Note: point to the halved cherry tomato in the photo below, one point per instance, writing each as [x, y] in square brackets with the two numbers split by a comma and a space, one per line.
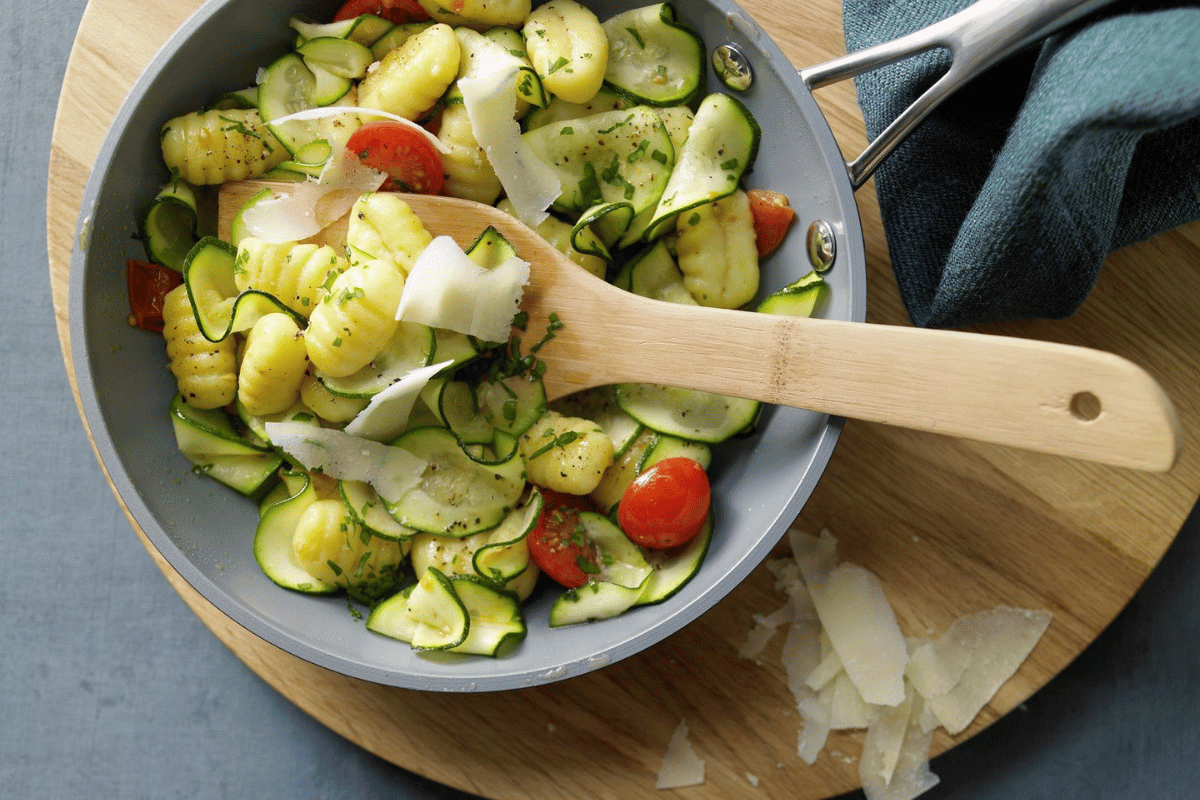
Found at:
[666, 505]
[148, 284]
[397, 12]
[410, 161]
[558, 545]
[772, 215]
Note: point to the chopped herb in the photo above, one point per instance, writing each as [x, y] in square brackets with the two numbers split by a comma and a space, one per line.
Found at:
[637, 37]
[730, 164]
[587, 567]
[694, 219]
[659, 156]
[237, 126]
[558, 64]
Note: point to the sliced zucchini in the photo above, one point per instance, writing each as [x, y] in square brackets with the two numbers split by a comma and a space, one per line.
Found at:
[208, 274]
[243, 99]
[460, 492]
[625, 468]
[593, 601]
[208, 439]
[273, 541]
[652, 58]
[666, 446]
[559, 110]
[687, 413]
[529, 83]
[256, 425]
[800, 298]
[721, 146]
[169, 226]
[475, 411]
[613, 156]
[504, 557]
[335, 64]
[654, 273]
[674, 568]
[289, 85]
[366, 508]
[497, 623]
[427, 615]
[365, 29]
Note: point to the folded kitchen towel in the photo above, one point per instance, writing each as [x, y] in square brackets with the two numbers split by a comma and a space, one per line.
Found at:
[1005, 202]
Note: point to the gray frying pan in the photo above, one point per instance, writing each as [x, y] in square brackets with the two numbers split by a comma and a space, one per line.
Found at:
[760, 483]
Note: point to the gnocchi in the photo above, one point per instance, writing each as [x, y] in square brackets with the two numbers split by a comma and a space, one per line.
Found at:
[335, 549]
[566, 454]
[382, 226]
[209, 147]
[205, 372]
[409, 80]
[273, 365]
[717, 253]
[298, 275]
[568, 48]
[355, 319]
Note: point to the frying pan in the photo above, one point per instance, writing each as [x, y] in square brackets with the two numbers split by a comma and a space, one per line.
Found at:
[760, 484]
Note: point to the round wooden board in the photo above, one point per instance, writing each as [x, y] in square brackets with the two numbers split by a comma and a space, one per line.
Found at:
[951, 527]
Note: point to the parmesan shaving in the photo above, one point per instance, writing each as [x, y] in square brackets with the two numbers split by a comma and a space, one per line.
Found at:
[322, 112]
[386, 416]
[839, 615]
[491, 102]
[391, 470]
[446, 289]
[892, 770]
[681, 766]
[997, 642]
[305, 209]
[860, 623]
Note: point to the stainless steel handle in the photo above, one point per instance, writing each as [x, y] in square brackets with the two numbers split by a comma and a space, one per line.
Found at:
[977, 37]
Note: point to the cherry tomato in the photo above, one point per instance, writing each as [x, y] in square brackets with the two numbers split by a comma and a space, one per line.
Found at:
[410, 161]
[148, 284]
[772, 215]
[397, 12]
[558, 545]
[666, 505]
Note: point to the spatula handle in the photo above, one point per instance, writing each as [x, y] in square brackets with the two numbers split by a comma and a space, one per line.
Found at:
[1041, 396]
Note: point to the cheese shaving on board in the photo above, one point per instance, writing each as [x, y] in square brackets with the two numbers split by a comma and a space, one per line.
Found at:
[681, 766]
[942, 683]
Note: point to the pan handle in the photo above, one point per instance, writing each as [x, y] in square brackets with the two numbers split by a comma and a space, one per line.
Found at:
[977, 37]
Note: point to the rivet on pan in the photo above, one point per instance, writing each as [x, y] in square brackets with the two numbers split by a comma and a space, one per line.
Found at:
[732, 67]
[822, 246]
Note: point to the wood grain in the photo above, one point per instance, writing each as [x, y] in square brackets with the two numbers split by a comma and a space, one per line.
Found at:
[951, 526]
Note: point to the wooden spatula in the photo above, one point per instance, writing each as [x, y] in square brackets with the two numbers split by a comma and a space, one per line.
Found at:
[1052, 398]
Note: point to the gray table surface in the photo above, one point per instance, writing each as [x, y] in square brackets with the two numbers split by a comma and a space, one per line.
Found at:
[111, 688]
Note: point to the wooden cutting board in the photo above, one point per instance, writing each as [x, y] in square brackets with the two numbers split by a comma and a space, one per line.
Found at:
[951, 527]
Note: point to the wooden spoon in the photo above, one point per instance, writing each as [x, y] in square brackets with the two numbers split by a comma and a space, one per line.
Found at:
[1052, 398]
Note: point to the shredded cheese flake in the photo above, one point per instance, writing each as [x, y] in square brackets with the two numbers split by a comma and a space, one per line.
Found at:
[835, 614]
[386, 416]
[391, 470]
[446, 289]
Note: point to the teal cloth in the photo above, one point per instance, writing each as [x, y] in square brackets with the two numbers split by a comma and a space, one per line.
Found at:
[1004, 204]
